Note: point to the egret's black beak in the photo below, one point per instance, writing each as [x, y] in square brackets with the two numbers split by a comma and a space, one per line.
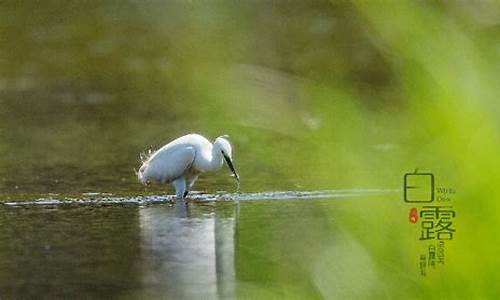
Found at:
[230, 164]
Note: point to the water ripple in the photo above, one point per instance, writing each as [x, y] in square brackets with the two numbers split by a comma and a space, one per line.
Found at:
[110, 199]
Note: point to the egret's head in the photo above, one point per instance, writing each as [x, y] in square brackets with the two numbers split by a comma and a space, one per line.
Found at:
[224, 146]
[227, 152]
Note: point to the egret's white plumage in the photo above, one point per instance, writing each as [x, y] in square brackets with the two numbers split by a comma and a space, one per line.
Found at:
[181, 161]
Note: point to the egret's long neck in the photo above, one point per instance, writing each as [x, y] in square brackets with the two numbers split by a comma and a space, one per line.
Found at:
[216, 162]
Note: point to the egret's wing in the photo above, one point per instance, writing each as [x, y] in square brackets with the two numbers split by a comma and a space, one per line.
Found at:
[169, 163]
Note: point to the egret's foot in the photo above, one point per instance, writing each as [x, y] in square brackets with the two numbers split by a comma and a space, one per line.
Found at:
[180, 188]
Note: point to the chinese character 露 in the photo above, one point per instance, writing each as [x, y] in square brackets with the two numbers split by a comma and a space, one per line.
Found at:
[436, 223]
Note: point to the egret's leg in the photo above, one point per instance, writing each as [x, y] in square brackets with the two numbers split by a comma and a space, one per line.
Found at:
[180, 188]
[190, 183]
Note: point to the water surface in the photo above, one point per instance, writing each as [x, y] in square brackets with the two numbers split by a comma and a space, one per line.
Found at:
[199, 249]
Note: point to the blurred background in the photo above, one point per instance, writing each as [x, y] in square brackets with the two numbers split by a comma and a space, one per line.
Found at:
[315, 95]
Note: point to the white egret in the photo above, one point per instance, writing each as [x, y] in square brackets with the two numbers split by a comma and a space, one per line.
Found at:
[181, 161]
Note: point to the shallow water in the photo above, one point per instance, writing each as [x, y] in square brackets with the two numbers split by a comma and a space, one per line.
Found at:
[101, 245]
[149, 246]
